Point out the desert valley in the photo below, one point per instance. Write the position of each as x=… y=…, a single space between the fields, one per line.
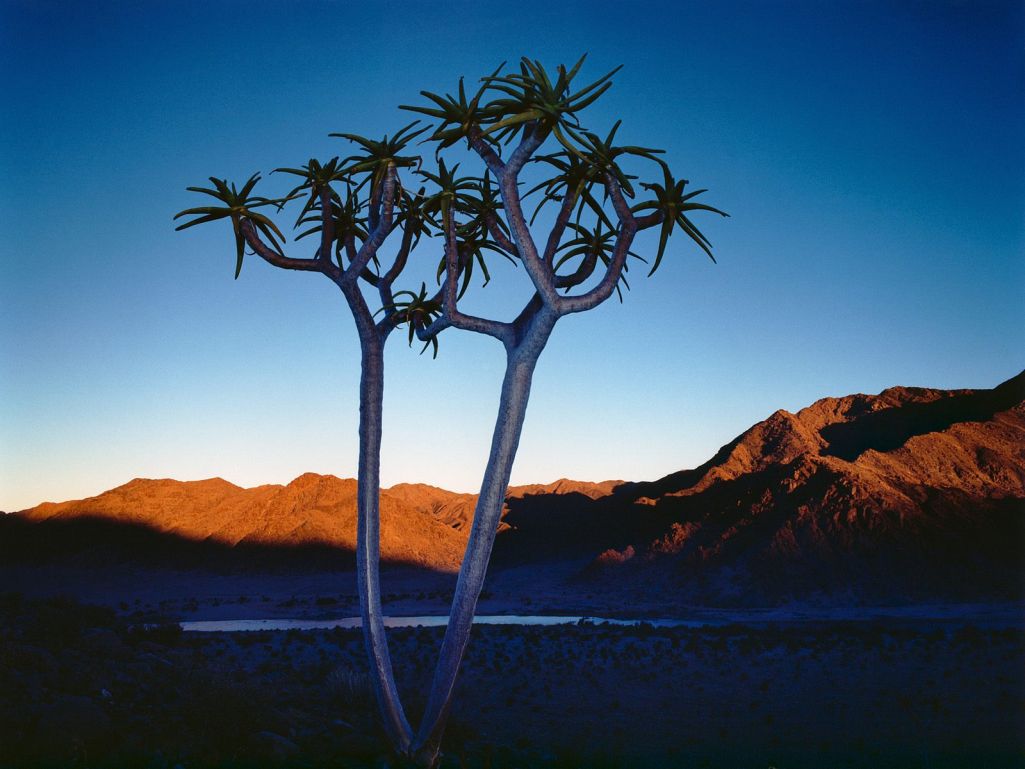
x=845 y=586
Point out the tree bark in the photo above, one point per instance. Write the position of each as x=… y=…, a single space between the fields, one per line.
x=521 y=360
x=368 y=542
x=368 y=492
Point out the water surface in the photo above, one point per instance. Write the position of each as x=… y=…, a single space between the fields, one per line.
x=985 y=615
x=235 y=625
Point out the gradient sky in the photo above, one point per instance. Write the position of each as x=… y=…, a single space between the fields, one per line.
x=872 y=156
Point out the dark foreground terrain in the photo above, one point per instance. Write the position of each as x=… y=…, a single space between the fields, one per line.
x=81 y=686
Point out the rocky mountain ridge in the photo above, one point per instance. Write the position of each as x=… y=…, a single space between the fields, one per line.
x=912 y=484
x=420 y=524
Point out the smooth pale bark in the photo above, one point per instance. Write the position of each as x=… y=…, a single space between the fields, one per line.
x=524 y=339
x=368 y=514
x=368 y=526
x=522 y=357
x=368 y=493
x=368 y=548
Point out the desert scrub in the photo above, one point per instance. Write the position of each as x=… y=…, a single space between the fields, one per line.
x=349 y=689
x=164 y=634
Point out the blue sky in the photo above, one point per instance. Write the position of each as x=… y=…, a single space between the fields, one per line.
x=871 y=156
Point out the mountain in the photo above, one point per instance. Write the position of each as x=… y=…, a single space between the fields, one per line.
x=313 y=511
x=909 y=492
x=912 y=492
x=421 y=525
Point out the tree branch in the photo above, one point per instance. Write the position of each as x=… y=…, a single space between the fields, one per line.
x=649 y=220
x=565 y=212
x=271 y=256
x=580 y=274
x=374 y=204
x=327 y=225
x=451 y=316
x=601 y=292
x=350 y=247
x=619 y=203
x=385 y=282
x=379 y=232
x=498 y=235
x=532 y=139
x=487 y=153
x=629 y=226
x=540 y=274
x=535 y=305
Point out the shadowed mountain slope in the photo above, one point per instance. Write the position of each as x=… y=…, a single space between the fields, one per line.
x=909 y=491
x=913 y=491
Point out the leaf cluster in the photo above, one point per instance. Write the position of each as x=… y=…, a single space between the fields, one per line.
x=529 y=99
x=416 y=311
x=335 y=188
x=236 y=205
x=508 y=106
x=594 y=245
x=673 y=205
x=379 y=154
x=526 y=104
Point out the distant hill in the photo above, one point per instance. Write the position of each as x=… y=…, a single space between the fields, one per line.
x=311 y=511
x=911 y=492
x=421 y=525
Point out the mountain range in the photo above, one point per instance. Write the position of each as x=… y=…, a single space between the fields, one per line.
x=914 y=491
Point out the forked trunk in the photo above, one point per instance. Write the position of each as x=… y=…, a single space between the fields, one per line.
x=511 y=411
x=368 y=543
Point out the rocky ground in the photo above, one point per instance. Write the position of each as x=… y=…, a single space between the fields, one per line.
x=84 y=686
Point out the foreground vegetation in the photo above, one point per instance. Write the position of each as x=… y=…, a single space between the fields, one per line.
x=80 y=686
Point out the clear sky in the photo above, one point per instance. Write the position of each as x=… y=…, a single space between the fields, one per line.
x=872 y=156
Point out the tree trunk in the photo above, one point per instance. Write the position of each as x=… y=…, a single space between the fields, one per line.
x=368 y=543
x=522 y=358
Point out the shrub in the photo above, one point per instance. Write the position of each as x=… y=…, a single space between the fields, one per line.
x=350 y=689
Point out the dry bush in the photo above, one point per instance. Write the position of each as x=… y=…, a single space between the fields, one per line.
x=350 y=689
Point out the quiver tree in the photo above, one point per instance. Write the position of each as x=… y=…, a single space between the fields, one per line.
x=351 y=207
x=590 y=201
x=576 y=267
